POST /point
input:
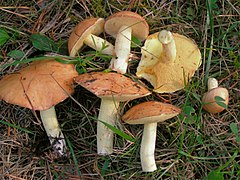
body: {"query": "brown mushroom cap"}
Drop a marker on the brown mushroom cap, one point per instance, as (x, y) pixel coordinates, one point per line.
(209, 101)
(38, 86)
(165, 76)
(111, 86)
(81, 31)
(150, 112)
(140, 28)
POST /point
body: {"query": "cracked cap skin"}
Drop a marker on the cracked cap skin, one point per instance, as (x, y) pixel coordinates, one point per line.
(38, 86)
(111, 86)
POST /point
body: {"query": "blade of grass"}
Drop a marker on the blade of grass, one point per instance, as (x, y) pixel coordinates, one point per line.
(211, 24)
(229, 161)
(118, 132)
(25, 61)
(74, 157)
(16, 126)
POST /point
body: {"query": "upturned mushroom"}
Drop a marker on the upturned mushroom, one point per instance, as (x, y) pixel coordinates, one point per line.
(168, 61)
(112, 88)
(149, 114)
(86, 32)
(122, 26)
(209, 98)
(40, 86)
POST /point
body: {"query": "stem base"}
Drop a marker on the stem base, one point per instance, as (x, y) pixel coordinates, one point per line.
(55, 135)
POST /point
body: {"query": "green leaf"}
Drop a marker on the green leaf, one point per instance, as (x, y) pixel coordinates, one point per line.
(118, 132)
(220, 101)
(234, 128)
(238, 138)
(105, 167)
(3, 36)
(16, 54)
(218, 98)
(135, 42)
(214, 4)
(188, 114)
(222, 104)
(215, 175)
(43, 43)
(80, 69)
(188, 110)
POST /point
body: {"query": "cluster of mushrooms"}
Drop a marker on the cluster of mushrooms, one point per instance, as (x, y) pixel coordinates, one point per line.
(168, 61)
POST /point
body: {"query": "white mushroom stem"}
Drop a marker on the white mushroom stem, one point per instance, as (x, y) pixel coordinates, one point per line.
(108, 114)
(169, 46)
(99, 44)
(212, 83)
(55, 135)
(122, 50)
(148, 147)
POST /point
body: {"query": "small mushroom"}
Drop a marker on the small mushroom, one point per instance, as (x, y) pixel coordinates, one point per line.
(40, 86)
(168, 61)
(214, 91)
(112, 88)
(149, 114)
(86, 32)
(122, 26)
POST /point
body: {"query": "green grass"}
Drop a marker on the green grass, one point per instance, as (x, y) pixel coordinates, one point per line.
(193, 145)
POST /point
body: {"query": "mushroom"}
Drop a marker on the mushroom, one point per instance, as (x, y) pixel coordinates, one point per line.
(214, 91)
(40, 86)
(112, 88)
(122, 26)
(149, 114)
(86, 32)
(168, 61)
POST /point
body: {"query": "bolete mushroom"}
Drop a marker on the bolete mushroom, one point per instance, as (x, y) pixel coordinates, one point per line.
(122, 26)
(86, 32)
(149, 114)
(112, 88)
(40, 86)
(168, 61)
(209, 98)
